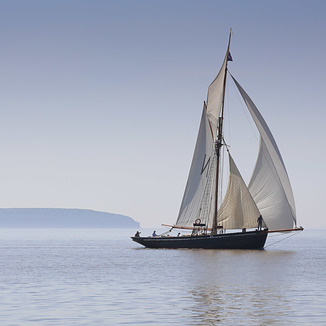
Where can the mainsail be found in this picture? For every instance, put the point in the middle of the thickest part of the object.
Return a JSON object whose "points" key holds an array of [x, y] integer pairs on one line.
{"points": [[269, 192], [199, 175], [198, 200]]}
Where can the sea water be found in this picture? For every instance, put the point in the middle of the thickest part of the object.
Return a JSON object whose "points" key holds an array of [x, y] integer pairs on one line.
{"points": [[100, 277]]}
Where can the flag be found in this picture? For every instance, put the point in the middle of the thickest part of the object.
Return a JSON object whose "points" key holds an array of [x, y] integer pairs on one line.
{"points": [[229, 57]]}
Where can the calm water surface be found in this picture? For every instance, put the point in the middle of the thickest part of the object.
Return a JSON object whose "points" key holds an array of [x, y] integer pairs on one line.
{"points": [[100, 277]]}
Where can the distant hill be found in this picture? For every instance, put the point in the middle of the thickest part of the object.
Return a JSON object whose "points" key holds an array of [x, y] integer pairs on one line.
{"points": [[62, 218]]}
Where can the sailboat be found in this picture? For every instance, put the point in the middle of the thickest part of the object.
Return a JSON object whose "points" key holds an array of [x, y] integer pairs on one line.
{"points": [[247, 213]]}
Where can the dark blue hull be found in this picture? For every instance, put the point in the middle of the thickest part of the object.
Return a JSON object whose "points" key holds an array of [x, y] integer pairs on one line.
{"points": [[239, 240]]}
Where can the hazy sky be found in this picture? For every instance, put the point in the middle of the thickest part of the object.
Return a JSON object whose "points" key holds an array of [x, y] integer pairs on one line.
{"points": [[101, 100]]}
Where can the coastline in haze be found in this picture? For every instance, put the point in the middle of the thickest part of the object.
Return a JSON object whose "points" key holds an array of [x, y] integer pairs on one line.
{"points": [[62, 218]]}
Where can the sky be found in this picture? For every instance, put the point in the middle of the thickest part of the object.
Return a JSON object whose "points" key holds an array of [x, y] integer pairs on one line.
{"points": [[101, 100]]}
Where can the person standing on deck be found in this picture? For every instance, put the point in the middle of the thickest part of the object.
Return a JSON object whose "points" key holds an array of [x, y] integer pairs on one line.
{"points": [[260, 222]]}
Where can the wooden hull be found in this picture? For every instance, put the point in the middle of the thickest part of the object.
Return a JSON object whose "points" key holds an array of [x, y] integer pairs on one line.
{"points": [[239, 240]]}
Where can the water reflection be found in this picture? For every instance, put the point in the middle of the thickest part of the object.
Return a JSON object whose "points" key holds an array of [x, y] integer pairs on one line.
{"points": [[239, 287], [88, 277]]}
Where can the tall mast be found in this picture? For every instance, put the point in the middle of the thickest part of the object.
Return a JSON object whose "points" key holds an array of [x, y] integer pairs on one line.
{"points": [[218, 142]]}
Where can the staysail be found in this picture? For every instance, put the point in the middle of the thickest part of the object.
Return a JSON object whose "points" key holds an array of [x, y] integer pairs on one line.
{"points": [[270, 185], [238, 209]]}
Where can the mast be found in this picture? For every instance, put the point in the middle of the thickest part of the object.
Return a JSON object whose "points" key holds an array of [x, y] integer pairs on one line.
{"points": [[218, 142]]}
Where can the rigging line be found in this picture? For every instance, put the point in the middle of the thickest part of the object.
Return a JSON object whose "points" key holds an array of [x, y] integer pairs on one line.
{"points": [[222, 174], [205, 203], [166, 232], [228, 112], [245, 110], [291, 235]]}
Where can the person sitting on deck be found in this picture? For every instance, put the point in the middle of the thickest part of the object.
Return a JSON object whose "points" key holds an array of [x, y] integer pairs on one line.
{"points": [[137, 235], [154, 234], [260, 222]]}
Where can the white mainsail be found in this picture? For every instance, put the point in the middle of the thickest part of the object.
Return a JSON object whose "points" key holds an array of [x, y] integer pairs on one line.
{"points": [[269, 192], [199, 174], [199, 184], [270, 185]]}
